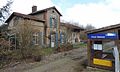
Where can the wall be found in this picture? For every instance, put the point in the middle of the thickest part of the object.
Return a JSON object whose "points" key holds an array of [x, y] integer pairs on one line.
{"points": [[51, 29], [40, 16], [16, 24]]}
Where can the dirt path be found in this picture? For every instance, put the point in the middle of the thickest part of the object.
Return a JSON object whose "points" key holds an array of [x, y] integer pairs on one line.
{"points": [[70, 61], [67, 64], [61, 65]]}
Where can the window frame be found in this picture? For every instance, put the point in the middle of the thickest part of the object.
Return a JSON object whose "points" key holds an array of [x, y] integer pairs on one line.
{"points": [[36, 38]]}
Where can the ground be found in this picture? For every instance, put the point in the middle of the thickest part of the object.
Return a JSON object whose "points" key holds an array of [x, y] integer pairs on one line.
{"points": [[70, 61]]}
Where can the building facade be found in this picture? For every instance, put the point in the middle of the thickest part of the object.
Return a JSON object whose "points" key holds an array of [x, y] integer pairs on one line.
{"points": [[46, 26]]}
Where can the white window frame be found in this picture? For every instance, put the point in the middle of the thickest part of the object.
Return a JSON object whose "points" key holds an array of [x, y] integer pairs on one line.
{"points": [[36, 38]]}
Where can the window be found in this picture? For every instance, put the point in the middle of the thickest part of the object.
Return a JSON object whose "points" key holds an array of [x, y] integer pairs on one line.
{"points": [[97, 45], [108, 49], [41, 38], [52, 38], [35, 38], [12, 39], [62, 38], [103, 49], [97, 49], [108, 46], [53, 21]]}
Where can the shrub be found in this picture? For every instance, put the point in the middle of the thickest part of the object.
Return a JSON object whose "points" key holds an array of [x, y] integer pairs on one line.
{"points": [[36, 54], [65, 47]]}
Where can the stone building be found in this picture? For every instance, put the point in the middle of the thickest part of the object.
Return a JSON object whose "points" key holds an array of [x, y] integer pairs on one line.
{"points": [[46, 26]]}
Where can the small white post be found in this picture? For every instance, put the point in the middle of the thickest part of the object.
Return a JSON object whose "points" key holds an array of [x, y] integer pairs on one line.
{"points": [[116, 55]]}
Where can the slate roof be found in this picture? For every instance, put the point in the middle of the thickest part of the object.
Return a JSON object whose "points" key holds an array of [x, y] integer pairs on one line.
{"points": [[44, 10], [23, 16], [71, 26]]}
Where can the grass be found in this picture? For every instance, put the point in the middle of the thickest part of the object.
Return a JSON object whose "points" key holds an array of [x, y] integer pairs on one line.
{"points": [[47, 51], [79, 45]]}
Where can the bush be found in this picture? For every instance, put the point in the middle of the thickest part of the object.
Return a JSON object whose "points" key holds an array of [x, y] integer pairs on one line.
{"points": [[65, 47], [36, 54], [8, 56], [5, 57]]}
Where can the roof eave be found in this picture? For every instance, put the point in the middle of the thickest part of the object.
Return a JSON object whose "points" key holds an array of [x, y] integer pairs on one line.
{"points": [[103, 28], [17, 14]]}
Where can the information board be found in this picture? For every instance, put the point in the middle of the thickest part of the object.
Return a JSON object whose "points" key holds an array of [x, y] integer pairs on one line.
{"points": [[103, 36]]}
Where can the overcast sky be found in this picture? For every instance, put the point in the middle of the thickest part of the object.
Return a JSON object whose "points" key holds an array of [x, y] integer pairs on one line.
{"points": [[99, 13]]}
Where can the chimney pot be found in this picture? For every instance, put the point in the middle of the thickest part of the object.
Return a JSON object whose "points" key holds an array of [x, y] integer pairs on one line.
{"points": [[34, 9]]}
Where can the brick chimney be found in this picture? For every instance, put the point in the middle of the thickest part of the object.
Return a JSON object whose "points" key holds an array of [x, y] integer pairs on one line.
{"points": [[34, 9]]}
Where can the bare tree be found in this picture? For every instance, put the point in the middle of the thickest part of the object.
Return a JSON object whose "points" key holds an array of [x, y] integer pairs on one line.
{"points": [[5, 11], [24, 33], [89, 27], [83, 35]]}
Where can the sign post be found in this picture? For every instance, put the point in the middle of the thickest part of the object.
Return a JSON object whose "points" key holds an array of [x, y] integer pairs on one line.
{"points": [[103, 48]]}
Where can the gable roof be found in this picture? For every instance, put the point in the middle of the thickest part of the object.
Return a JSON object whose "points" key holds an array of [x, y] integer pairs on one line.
{"points": [[104, 28], [71, 26], [44, 10], [23, 16]]}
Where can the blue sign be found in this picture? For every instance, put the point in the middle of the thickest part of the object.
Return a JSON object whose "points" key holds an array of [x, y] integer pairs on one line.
{"points": [[103, 36]]}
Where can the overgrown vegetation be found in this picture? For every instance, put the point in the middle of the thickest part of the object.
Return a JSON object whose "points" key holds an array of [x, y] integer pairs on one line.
{"points": [[34, 53], [5, 52], [24, 33], [24, 50]]}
